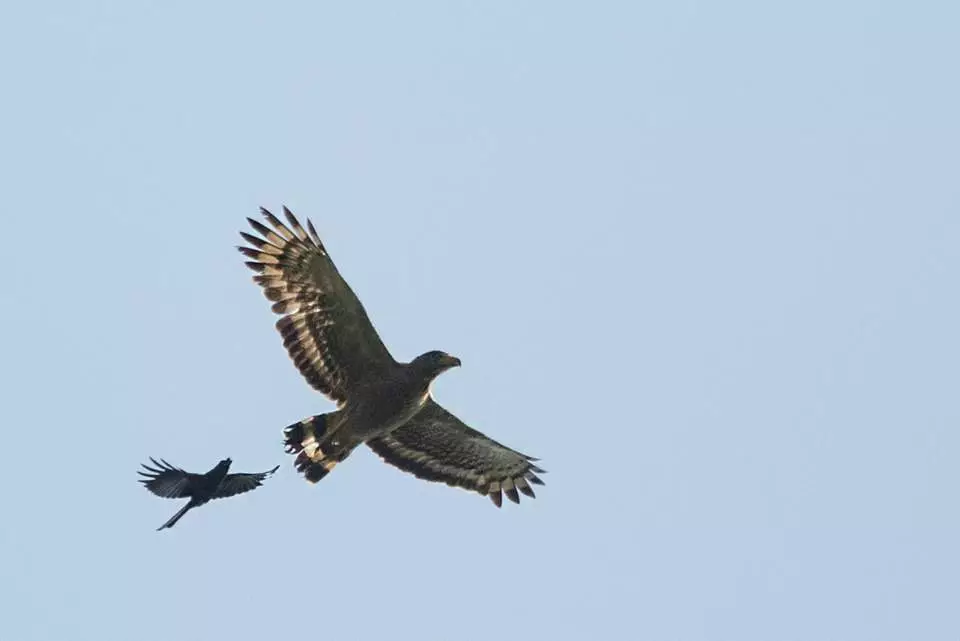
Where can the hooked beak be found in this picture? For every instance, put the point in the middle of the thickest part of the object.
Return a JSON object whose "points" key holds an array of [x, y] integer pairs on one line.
{"points": [[451, 361]]}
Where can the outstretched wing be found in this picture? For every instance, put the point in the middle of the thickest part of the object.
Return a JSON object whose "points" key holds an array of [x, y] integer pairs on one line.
{"points": [[239, 483], [437, 446], [168, 481], [325, 328]]}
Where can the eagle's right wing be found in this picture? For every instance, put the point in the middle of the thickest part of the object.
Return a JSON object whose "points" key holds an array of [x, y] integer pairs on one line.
{"points": [[435, 445], [325, 328]]}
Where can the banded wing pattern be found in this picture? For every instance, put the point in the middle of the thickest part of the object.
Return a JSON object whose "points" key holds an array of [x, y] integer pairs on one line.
{"points": [[325, 328], [437, 446]]}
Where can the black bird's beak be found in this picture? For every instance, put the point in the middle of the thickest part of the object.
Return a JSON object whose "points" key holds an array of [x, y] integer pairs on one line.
{"points": [[452, 361]]}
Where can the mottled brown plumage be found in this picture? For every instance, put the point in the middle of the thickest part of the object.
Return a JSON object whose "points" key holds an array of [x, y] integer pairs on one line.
{"points": [[381, 402], [437, 446]]}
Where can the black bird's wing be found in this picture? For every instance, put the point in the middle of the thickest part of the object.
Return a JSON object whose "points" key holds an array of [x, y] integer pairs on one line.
{"points": [[240, 483], [437, 446], [324, 327], [168, 481]]}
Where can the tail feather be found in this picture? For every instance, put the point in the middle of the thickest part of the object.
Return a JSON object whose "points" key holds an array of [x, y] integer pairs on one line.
{"points": [[312, 470], [176, 517], [300, 435], [314, 456]]}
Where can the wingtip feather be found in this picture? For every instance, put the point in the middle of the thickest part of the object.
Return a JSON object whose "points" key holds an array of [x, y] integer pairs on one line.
{"points": [[277, 225], [533, 478], [524, 487]]}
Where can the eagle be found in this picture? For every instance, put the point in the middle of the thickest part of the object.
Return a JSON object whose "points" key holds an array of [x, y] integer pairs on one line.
{"points": [[171, 482], [381, 403]]}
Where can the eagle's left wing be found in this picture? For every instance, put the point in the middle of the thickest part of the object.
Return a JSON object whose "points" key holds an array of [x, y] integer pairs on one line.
{"points": [[239, 483], [437, 446]]}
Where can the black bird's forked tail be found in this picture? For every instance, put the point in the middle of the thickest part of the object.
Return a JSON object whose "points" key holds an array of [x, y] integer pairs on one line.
{"points": [[316, 453], [176, 517]]}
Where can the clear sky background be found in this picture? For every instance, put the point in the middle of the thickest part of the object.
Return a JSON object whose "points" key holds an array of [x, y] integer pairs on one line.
{"points": [[700, 258]]}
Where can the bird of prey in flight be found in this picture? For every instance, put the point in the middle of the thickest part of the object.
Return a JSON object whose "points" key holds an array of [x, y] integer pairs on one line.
{"points": [[171, 482], [381, 402]]}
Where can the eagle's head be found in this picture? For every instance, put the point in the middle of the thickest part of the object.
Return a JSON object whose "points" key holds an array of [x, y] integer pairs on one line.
{"points": [[432, 364]]}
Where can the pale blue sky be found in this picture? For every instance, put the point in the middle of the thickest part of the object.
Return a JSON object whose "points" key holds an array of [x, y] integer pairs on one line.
{"points": [[701, 258]]}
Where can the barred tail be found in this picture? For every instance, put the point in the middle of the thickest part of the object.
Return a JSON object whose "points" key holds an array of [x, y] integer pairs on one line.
{"points": [[307, 439]]}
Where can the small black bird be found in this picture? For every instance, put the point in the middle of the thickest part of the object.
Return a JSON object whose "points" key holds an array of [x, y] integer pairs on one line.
{"points": [[171, 482]]}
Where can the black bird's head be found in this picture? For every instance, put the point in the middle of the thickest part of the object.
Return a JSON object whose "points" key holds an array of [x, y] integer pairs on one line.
{"points": [[224, 464], [434, 363]]}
